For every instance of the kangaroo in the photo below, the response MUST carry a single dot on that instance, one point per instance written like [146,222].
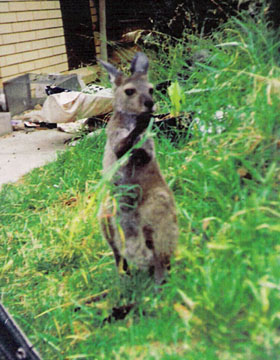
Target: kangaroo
[143,228]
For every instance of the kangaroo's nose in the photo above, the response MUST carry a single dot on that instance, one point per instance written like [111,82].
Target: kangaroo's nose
[149,104]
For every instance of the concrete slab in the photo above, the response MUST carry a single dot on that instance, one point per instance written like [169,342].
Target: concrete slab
[21,151]
[88,74]
[5,123]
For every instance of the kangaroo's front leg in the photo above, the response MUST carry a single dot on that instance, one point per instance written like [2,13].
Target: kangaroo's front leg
[124,144]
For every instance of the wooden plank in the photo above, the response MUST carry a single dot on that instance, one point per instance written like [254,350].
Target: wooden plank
[103,33]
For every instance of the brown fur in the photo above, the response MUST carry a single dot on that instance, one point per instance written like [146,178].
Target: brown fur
[143,228]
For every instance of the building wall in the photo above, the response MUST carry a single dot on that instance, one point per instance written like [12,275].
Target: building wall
[95,25]
[32,37]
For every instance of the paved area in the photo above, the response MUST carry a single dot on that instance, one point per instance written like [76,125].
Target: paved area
[21,151]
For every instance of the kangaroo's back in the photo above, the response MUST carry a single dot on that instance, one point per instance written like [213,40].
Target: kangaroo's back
[143,228]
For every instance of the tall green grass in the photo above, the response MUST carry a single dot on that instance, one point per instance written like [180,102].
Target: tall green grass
[222,298]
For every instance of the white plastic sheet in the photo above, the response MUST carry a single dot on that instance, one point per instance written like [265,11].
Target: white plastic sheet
[67,107]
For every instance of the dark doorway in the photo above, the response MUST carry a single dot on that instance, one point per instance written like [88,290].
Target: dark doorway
[124,16]
[78,32]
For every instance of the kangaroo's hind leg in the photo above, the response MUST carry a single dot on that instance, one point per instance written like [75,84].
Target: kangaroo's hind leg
[110,233]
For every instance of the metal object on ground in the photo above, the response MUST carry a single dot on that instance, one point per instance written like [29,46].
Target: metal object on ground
[14,345]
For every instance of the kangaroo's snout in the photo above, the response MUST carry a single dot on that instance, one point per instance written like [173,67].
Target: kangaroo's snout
[149,104]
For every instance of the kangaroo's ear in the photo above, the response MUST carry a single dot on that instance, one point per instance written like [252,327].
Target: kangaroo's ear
[139,63]
[115,75]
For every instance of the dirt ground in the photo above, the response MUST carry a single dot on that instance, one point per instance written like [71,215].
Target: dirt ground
[21,151]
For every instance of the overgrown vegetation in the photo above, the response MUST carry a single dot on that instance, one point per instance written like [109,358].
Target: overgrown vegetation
[222,300]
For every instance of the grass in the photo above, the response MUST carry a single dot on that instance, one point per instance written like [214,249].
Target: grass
[222,298]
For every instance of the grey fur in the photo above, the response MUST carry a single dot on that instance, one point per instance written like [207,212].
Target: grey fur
[139,63]
[143,229]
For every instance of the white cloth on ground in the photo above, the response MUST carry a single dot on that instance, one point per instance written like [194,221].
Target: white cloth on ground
[71,106]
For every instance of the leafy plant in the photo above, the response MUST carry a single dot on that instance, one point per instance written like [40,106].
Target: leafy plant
[177,97]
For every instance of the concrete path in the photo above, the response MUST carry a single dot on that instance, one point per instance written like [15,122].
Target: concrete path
[21,151]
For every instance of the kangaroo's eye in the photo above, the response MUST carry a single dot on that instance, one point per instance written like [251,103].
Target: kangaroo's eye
[151,91]
[129,92]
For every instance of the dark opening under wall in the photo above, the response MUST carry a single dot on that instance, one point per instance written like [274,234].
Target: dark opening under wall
[124,16]
[78,32]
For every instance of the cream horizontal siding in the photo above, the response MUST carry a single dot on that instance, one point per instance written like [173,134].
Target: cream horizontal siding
[31,38]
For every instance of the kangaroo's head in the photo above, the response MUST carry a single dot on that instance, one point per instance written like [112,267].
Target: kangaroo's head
[134,94]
